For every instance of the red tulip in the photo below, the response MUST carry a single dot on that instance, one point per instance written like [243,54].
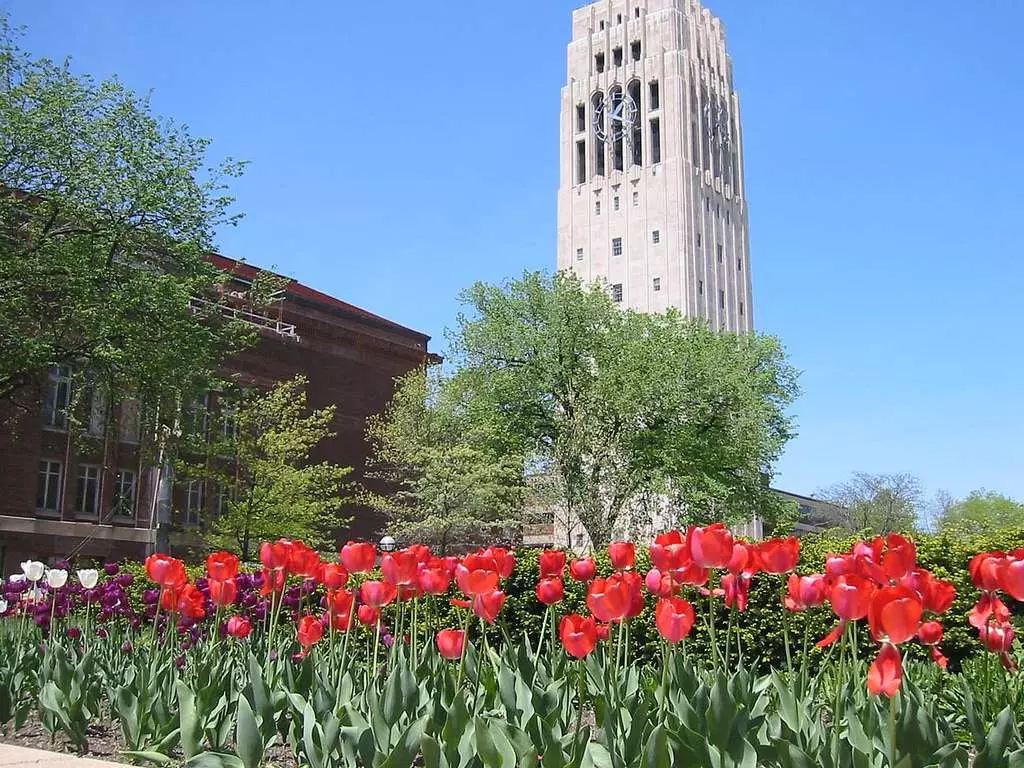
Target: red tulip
[476,581]
[930,633]
[1011,578]
[497,559]
[660,584]
[368,615]
[985,569]
[779,555]
[333,576]
[339,607]
[275,556]
[711,547]
[936,594]
[190,602]
[303,561]
[552,563]
[899,556]
[309,632]
[692,573]
[745,559]
[998,638]
[851,596]
[622,554]
[603,631]
[421,552]
[608,599]
[669,552]
[238,627]
[166,571]
[223,593]
[550,590]
[838,565]
[895,614]
[273,581]
[886,672]
[450,643]
[222,566]
[674,618]
[434,579]
[988,605]
[583,569]
[377,593]
[488,605]
[635,593]
[399,568]
[737,590]
[579,635]
[806,591]
[358,557]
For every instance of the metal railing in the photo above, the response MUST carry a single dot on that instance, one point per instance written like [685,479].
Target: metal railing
[286,330]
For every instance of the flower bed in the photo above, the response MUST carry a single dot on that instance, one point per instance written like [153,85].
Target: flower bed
[403,658]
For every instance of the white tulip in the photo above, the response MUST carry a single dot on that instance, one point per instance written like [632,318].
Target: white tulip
[88,577]
[3,606]
[33,570]
[17,578]
[56,578]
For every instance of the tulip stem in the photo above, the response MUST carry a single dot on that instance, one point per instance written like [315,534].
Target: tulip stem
[728,634]
[803,663]
[715,656]
[785,635]
[664,680]
[892,732]
[376,644]
[540,643]
[579,700]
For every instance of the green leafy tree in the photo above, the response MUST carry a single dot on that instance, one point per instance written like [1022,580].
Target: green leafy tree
[435,473]
[877,503]
[643,419]
[262,467]
[106,213]
[983,511]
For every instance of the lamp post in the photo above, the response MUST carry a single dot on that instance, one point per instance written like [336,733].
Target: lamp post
[387,544]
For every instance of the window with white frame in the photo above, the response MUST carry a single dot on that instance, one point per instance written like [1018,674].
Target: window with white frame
[656,236]
[615,202]
[48,486]
[124,493]
[57,398]
[579,254]
[229,419]
[636,198]
[194,500]
[617,292]
[197,414]
[616,246]
[657,284]
[97,414]
[87,498]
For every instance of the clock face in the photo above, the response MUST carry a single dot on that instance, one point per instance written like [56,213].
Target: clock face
[614,117]
[716,122]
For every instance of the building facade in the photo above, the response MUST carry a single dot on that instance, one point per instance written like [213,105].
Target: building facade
[651,197]
[90,490]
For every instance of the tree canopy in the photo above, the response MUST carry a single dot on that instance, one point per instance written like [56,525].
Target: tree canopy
[634,420]
[436,473]
[983,511]
[106,214]
[877,503]
[262,468]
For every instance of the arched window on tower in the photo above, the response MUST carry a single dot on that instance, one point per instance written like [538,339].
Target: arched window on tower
[597,131]
[615,127]
[637,137]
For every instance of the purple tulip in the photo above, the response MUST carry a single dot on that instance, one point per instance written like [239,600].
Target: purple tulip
[126,647]
[125,580]
[102,633]
[150,596]
[111,569]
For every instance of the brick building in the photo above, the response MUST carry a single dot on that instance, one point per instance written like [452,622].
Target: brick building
[94,495]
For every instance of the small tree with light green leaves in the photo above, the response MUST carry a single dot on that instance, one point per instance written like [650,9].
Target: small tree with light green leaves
[270,487]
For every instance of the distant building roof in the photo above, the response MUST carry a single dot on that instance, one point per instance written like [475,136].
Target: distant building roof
[815,514]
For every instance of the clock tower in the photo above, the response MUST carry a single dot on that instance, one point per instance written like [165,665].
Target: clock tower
[651,198]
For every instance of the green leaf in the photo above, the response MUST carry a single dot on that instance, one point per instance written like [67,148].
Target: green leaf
[408,746]
[152,757]
[248,740]
[656,753]
[214,760]
[189,720]
[596,756]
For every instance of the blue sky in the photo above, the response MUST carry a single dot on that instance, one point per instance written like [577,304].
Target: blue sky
[400,151]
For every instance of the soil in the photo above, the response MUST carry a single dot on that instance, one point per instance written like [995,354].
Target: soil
[103,742]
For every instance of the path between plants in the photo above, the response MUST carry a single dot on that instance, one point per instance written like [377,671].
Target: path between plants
[23,757]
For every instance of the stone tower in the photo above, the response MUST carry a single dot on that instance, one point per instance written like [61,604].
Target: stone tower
[651,197]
